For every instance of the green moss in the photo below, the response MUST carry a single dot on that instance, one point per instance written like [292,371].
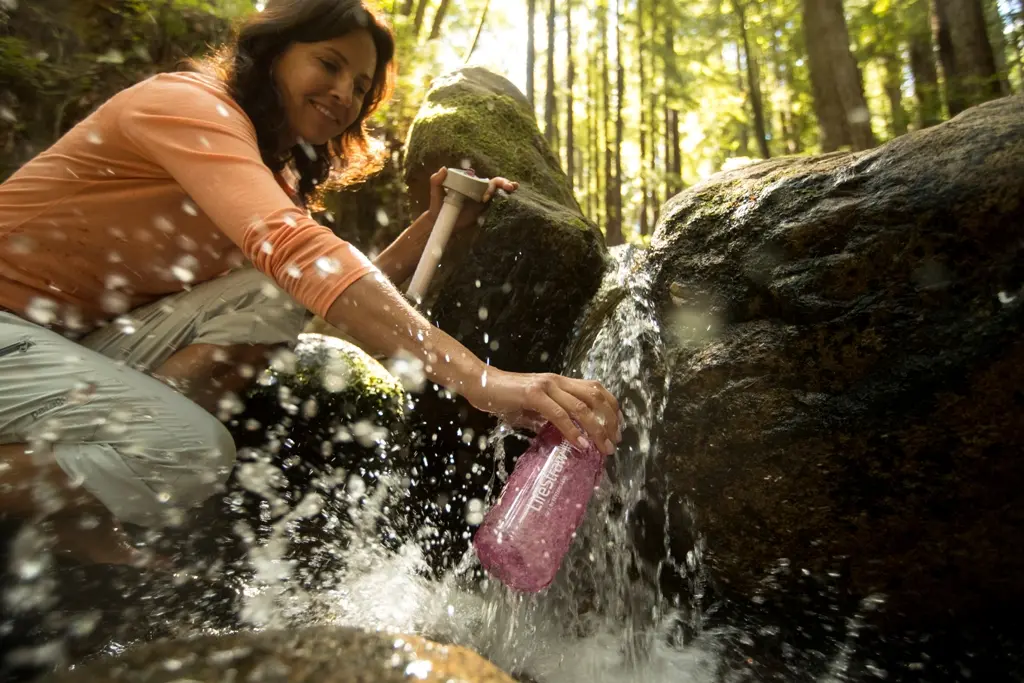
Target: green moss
[495,133]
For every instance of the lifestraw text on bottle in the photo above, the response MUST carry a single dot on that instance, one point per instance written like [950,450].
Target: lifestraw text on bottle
[548,478]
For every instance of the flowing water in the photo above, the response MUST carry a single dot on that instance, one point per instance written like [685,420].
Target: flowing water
[603,619]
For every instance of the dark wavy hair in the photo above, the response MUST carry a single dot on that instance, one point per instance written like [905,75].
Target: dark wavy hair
[245,66]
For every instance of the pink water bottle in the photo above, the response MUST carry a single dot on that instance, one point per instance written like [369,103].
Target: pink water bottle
[524,537]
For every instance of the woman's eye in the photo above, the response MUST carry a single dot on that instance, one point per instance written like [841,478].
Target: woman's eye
[329,65]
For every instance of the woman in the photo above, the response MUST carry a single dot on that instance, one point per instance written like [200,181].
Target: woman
[126,309]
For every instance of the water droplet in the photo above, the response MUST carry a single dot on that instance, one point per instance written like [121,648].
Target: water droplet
[164,224]
[420,668]
[283,361]
[189,207]
[482,313]
[310,408]
[184,269]
[1006,297]
[20,244]
[382,217]
[327,265]
[5,113]
[115,281]
[81,392]
[94,138]
[483,379]
[114,302]
[293,271]
[41,310]
[223,111]
[125,324]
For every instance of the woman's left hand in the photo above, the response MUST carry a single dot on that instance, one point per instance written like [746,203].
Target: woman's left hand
[470,210]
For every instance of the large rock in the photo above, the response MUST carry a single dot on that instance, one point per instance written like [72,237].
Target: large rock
[511,290]
[846,354]
[312,655]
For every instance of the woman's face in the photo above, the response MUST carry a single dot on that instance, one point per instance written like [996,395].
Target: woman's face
[323,85]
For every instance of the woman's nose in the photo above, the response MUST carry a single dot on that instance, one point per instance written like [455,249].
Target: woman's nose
[342,90]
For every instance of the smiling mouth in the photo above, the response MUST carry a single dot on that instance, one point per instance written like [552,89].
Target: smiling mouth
[324,110]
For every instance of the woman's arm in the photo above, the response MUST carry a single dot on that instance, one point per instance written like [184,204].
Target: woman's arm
[372,311]
[398,261]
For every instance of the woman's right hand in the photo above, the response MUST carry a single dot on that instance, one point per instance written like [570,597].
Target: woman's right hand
[528,400]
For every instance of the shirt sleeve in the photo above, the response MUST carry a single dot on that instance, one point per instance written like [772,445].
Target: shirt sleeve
[208,145]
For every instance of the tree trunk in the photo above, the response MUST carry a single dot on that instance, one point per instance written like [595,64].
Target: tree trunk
[435,29]
[613,233]
[479,29]
[590,171]
[531,50]
[641,51]
[922,65]
[835,78]
[753,87]
[570,142]
[615,230]
[792,142]
[652,118]
[743,134]
[967,60]
[677,156]
[670,125]
[893,66]
[417,22]
[407,7]
[994,25]
[550,103]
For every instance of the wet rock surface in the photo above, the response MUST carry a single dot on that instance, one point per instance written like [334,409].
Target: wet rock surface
[844,346]
[312,655]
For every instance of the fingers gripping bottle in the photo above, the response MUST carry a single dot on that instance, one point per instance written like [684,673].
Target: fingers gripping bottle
[527,533]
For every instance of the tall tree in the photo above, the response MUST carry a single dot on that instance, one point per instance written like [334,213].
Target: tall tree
[753,87]
[968,64]
[641,49]
[652,118]
[531,49]
[570,140]
[922,64]
[550,101]
[417,22]
[435,29]
[615,219]
[479,29]
[996,37]
[835,78]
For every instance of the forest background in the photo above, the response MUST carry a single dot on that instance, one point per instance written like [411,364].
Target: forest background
[638,98]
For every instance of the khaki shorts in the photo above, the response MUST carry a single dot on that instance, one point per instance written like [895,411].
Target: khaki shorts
[144,450]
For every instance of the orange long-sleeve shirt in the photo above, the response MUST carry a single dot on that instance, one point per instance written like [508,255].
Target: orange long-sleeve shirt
[160,188]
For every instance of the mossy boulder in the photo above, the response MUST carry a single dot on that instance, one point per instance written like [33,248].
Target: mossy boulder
[844,336]
[512,289]
[325,420]
[310,655]
[473,117]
